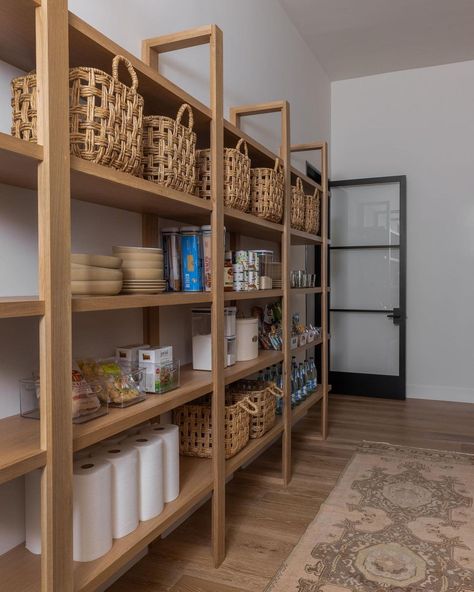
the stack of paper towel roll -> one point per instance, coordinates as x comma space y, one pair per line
126, 479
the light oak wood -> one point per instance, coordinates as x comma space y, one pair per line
303, 348
151, 315
249, 225
91, 303
21, 306
308, 147
236, 113
19, 162
316, 290
17, 43
191, 584
326, 290
302, 409
55, 289
20, 446
309, 185
254, 295
299, 237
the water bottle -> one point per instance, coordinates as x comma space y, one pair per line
314, 374
303, 382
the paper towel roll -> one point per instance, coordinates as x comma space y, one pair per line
150, 474
124, 461
170, 435
113, 440
92, 512
33, 511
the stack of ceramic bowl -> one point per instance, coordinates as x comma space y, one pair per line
142, 270
95, 275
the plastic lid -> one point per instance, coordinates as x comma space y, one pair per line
206, 228
190, 229
170, 229
230, 310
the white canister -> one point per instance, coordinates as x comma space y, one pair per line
247, 339
230, 313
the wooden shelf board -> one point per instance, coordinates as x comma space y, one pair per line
244, 369
21, 306
254, 448
250, 225
196, 484
105, 186
303, 408
299, 237
20, 445
254, 295
17, 41
303, 348
306, 290
19, 161
94, 303
21, 570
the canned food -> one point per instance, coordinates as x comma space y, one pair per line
191, 259
238, 268
253, 283
252, 261
241, 285
242, 258
240, 276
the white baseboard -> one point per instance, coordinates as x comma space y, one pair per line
440, 393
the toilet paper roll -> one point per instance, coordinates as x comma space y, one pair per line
92, 513
124, 461
170, 435
150, 474
33, 511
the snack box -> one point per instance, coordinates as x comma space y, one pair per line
129, 354
155, 355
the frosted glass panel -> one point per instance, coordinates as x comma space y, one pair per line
364, 343
365, 278
365, 215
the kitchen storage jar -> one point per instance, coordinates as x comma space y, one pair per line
105, 115
169, 150
230, 313
236, 176
247, 339
263, 395
265, 260
298, 204
195, 426
202, 339
267, 192
312, 207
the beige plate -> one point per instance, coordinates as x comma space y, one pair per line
95, 288
144, 285
97, 260
142, 265
143, 291
142, 274
131, 250
141, 257
86, 272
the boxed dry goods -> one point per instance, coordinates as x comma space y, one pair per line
128, 355
160, 372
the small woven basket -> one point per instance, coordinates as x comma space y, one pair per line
312, 212
263, 395
267, 191
169, 150
195, 427
236, 176
298, 206
105, 115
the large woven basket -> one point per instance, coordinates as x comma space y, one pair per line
312, 212
298, 206
169, 150
263, 395
195, 427
105, 115
267, 192
236, 176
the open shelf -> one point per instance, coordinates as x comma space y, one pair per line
302, 409
250, 225
17, 45
21, 306
244, 369
19, 161
253, 295
303, 348
306, 290
21, 570
20, 445
91, 303
308, 183
299, 237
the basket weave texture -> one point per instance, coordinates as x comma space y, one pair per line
298, 206
263, 395
312, 212
267, 191
236, 176
105, 115
195, 427
169, 150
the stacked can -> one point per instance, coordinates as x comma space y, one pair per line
245, 268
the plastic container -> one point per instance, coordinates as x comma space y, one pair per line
191, 253
230, 313
160, 378
230, 351
202, 339
247, 339
265, 261
172, 258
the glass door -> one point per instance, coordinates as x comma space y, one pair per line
368, 286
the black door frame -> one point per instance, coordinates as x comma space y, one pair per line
375, 385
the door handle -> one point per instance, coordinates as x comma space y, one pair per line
395, 315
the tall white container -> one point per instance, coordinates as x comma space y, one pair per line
247, 339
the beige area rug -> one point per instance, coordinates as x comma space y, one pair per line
399, 520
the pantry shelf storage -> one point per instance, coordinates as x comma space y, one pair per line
107, 175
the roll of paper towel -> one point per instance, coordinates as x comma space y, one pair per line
92, 512
170, 435
150, 474
113, 440
124, 461
33, 511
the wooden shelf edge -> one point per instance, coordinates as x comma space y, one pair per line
122, 301
299, 237
302, 409
303, 348
254, 295
305, 290
12, 145
22, 464
241, 370
296, 173
21, 306
250, 225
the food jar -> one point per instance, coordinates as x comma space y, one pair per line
191, 269
265, 260
247, 339
230, 313
202, 339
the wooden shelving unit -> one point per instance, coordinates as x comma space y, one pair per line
36, 35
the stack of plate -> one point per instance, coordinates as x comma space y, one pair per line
142, 270
95, 275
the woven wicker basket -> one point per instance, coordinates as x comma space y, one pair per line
267, 191
195, 427
312, 212
169, 150
236, 176
263, 395
105, 115
298, 205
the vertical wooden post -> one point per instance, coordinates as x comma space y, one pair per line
55, 289
324, 295
151, 316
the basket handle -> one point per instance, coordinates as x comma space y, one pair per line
275, 390
315, 194
128, 64
299, 184
247, 405
185, 107
243, 143
278, 164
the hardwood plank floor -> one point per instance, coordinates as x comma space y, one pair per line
265, 520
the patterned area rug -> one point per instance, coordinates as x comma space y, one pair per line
399, 520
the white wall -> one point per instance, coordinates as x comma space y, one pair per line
265, 59
421, 123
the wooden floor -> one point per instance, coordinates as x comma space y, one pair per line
265, 520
